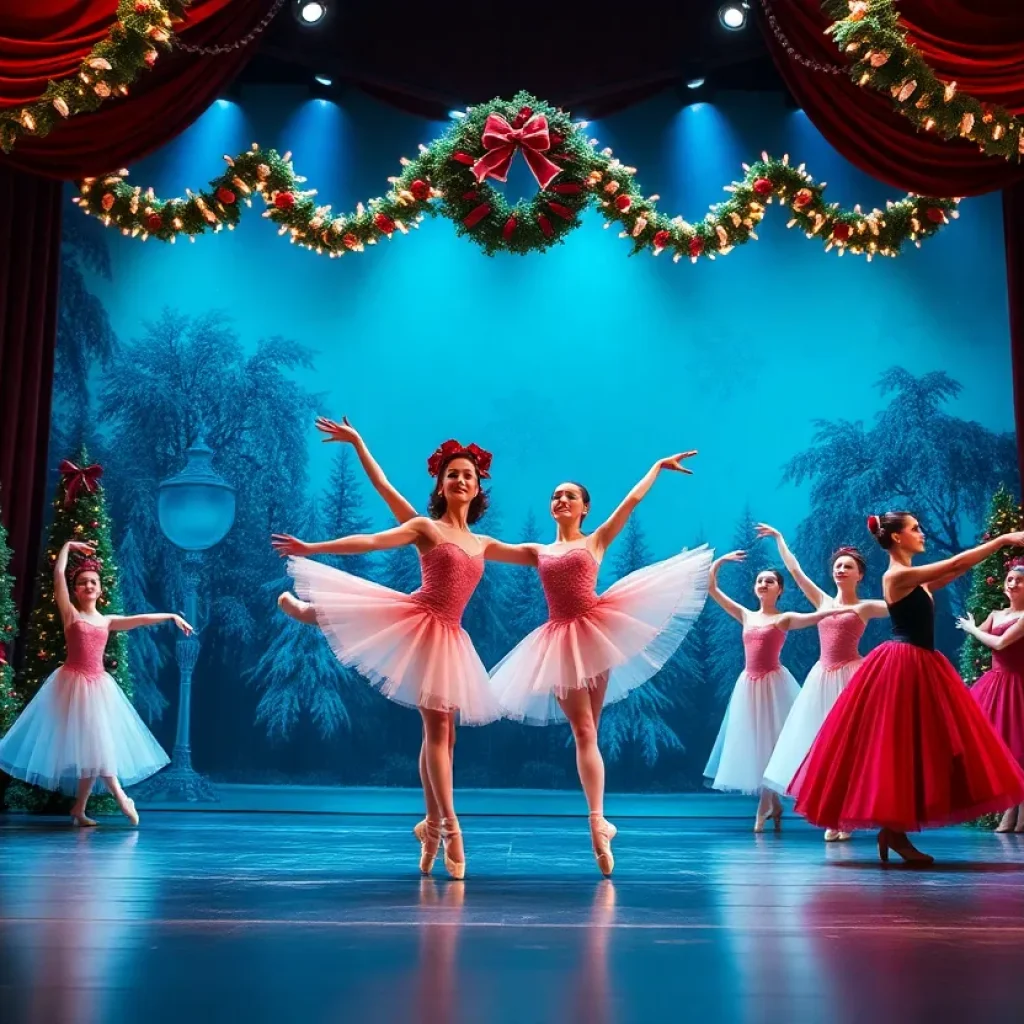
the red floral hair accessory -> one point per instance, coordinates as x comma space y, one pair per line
451, 448
86, 565
874, 524
1016, 565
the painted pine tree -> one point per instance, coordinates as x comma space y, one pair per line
344, 512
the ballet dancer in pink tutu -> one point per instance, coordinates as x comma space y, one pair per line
1000, 691
80, 727
839, 636
412, 646
764, 693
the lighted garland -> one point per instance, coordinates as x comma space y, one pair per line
131, 46
869, 32
449, 178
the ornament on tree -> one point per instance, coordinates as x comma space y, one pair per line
284, 200
763, 186
226, 196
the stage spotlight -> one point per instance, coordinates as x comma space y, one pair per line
733, 16
456, 115
309, 12
323, 79
694, 83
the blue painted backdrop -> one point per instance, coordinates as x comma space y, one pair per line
817, 389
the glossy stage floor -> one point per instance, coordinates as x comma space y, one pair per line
314, 918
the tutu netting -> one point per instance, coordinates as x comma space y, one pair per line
906, 748
411, 647
1000, 694
626, 634
80, 724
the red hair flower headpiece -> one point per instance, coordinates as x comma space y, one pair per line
1015, 565
86, 565
451, 448
874, 524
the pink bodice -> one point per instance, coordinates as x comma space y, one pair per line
569, 582
86, 643
840, 634
450, 575
762, 646
1009, 659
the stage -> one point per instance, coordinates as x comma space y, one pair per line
299, 917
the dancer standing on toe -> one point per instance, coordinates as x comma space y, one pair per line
1000, 691
839, 636
80, 727
412, 647
906, 747
595, 650
763, 695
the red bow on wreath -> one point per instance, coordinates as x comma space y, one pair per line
452, 447
75, 478
502, 139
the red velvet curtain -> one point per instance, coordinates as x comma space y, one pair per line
977, 43
44, 39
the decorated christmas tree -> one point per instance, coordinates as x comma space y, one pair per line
1005, 514
10, 701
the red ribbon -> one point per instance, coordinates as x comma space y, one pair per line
501, 140
75, 478
476, 215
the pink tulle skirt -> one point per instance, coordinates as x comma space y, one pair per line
77, 727
636, 626
1000, 695
403, 648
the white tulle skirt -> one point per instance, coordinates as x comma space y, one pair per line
820, 691
753, 722
78, 727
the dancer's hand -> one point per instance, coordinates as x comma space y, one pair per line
967, 624
734, 556
1013, 540
674, 463
80, 547
764, 530
285, 544
343, 431
182, 625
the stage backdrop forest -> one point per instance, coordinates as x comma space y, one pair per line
816, 389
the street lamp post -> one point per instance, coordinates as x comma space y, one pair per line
196, 509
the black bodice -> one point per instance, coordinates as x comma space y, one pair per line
913, 619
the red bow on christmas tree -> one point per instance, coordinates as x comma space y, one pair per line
75, 478
502, 139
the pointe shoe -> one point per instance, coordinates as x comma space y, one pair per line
843, 837
450, 830
428, 834
760, 820
82, 821
889, 840
832, 835
129, 811
602, 832
1008, 820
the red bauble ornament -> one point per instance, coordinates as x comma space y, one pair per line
841, 232
150, 57
662, 238
113, 664
107, 201
226, 196
696, 245
935, 215
154, 222
141, 6
802, 198
991, 581
284, 200
94, 524
349, 240
623, 203
384, 223
763, 186
420, 190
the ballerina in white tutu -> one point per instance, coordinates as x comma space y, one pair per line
840, 658
764, 692
80, 727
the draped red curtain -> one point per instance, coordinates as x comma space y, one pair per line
45, 39
977, 43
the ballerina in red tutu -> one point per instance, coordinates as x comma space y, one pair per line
905, 747
1000, 691
412, 647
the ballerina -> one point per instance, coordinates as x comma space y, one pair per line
412, 647
1000, 691
763, 695
80, 727
840, 658
906, 747
595, 650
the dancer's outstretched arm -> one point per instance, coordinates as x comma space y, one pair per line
801, 620
612, 526
810, 589
870, 609
412, 532
400, 507
126, 622
989, 640
734, 608
905, 577
60, 580
512, 554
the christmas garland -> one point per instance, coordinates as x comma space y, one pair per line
869, 32
112, 65
450, 179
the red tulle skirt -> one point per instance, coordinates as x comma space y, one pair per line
1000, 695
905, 747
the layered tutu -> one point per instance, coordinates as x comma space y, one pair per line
626, 634
1000, 695
753, 721
78, 726
905, 747
817, 696
411, 647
